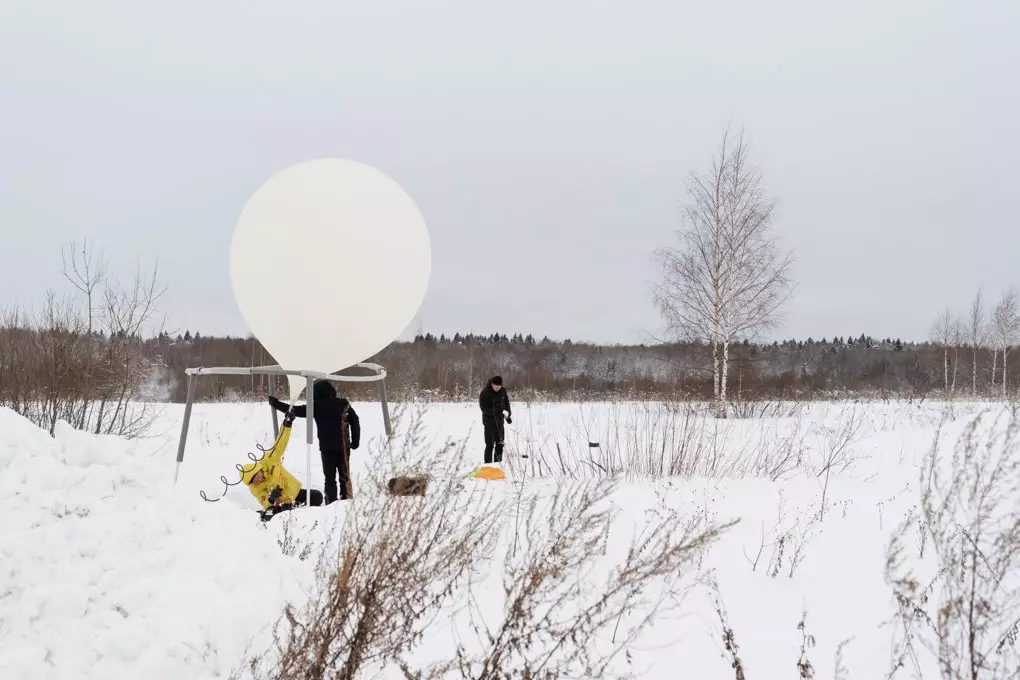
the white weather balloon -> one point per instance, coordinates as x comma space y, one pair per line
329, 262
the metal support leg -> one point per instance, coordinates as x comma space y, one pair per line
185, 424
309, 432
385, 408
272, 393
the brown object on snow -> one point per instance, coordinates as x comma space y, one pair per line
407, 486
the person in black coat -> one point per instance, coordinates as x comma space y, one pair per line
339, 431
494, 401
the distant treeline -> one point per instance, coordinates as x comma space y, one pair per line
64, 369
88, 358
457, 366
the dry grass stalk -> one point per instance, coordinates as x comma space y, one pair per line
804, 667
290, 544
838, 455
558, 610
970, 515
730, 647
785, 539
661, 439
840, 672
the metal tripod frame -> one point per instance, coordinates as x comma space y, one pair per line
274, 372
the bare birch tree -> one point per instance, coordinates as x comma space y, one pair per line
959, 338
86, 270
947, 333
728, 279
85, 274
995, 359
977, 334
1006, 326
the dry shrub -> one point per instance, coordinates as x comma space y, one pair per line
804, 668
290, 544
397, 564
390, 570
729, 639
1013, 404
840, 672
81, 358
764, 408
559, 610
966, 615
786, 542
664, 439
838, 454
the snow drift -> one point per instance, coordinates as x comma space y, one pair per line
108, 571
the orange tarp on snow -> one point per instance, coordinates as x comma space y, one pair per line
488, 472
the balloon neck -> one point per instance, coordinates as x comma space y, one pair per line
297, 384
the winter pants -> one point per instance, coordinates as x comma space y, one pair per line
302, 497
493, 438
336, 464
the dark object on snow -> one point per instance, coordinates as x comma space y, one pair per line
407, 486
493, 401
301, 500
339, 430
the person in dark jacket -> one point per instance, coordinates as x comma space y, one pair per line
494, 401
339, 431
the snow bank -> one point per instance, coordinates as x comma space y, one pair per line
110, 572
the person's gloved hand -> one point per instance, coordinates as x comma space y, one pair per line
274, 495
355, 445
288, 418
509, 419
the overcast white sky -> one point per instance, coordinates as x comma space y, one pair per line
546, 143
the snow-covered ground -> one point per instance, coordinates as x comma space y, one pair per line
109, 569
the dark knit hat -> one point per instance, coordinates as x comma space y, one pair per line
496, 380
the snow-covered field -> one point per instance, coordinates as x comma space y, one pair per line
110, 570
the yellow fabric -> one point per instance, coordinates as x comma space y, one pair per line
276, 474
488, 472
